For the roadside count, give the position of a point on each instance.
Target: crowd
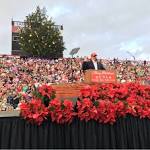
(18, 76)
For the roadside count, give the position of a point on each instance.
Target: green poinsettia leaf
(96, 103)
(62, 107)
(116, 100)
(51, 108)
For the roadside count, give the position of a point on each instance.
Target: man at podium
(92, 64)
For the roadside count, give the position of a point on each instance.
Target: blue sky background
(111, 28)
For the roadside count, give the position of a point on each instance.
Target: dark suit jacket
(89, 65)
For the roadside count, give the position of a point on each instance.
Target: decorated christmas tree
(40, 37)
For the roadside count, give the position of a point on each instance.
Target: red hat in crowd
(93, 54)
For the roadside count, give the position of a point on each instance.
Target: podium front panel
(100, 76)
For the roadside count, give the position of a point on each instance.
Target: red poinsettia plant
(106, 112)
(34, 111)
(45, 92)
(91, 92)
(106, 102)
(61, 111)
(86, 109)
(100, 110)
(103, 103)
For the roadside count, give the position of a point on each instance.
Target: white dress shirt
(95, 65)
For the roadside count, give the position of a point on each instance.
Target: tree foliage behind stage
(41, 37)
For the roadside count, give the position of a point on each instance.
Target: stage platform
(126, 133)
(14, 113)
(68, 90)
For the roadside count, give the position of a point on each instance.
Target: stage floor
(14, 113)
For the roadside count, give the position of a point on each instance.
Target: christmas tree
(40, 37)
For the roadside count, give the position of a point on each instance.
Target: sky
(111, 28)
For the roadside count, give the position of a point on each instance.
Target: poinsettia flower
(61, 111)
(35, 116)
(86, 109)
(34, 111)
(46, 90)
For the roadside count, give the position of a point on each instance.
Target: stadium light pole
(131, 55)
(72, 53)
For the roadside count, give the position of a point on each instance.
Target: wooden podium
(72, 90)
(100, 76)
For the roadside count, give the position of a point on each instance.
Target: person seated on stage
(92, 64)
